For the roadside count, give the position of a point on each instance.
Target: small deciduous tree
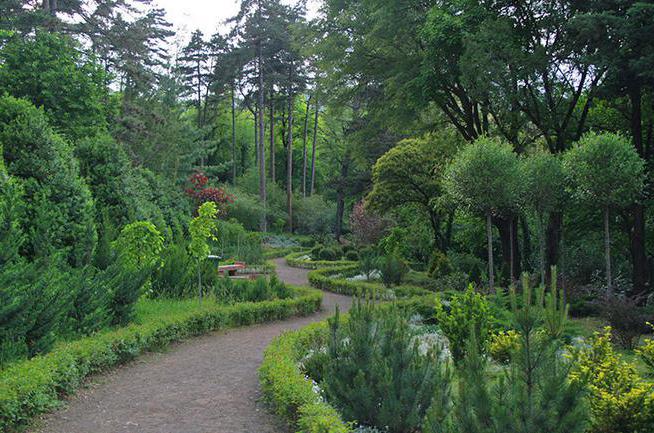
(605, 171)
(139, 246)
(202, 229)
(484, 179)
(366, 225)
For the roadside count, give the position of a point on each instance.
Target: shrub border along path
(208, 384)
(294, 261)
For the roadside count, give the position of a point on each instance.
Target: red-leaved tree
(201, 192)
(367, 227)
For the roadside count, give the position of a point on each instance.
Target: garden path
(207, 384)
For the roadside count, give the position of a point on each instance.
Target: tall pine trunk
(313, 149)
(304, 148)
(489, 239)
(607, 251)
(272, 138)
(262, 159)
(233, 137)
(289, 153)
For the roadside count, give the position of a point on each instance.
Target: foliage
(368, 260)
(49, 70)
(392, 269)
(626, 317)
(174, 278)
(139, 246)
(33, 387)
(646, 351)
(503, 346)
(286, 388)
(605, 170)
(533, 394)
(297, 260)
(439, 264)
(468, 312)
(59, 212)
(620, 401)
(227, 290)
(313, 215)
(201, 193)
(367, 227)
(11, 213)
(202, 229)
(376, 373)
(555, 311)
(233, 241)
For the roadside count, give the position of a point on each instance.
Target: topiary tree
(202, 229)
(484, 179)
(544, 188)
(605, 171)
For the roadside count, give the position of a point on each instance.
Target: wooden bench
(231, 269)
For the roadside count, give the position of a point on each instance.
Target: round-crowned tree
(484, 178)
(604, 170)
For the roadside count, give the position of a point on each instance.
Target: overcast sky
(207, 15)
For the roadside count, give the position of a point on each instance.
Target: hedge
(294, 261)
(323, 279)
(291, 393)
(35, 386)
(273, 253)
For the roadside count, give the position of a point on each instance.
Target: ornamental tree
(202, 229)
(366, 225)
(139, 246)
(484, 179)
(201, 192)
(411, 174)
(605, 171)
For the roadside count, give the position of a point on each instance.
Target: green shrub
(503, 346)
(351, 255)
(467, 311)
(175, 277)
(646, 352)
(392, 270)
(377, 374)
(330, 254)
(297, 260)
(620, 400)
(439, 264)
(33, 387)
(125, 288)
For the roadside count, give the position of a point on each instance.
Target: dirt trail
(205, 385)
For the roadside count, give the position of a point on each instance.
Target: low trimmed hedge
(294, 261)
(35, 386)
(289, 392)
(322, 279)
(274, 253)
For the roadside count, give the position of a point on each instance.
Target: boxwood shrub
(294, 260)
(36, 386)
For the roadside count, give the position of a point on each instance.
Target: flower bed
(298, 260)
(35, 386)
(335, 280)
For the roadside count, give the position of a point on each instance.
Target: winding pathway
(207, 384)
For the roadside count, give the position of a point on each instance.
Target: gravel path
(205, 385)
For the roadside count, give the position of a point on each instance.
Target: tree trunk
(640, 276)
(313, 150)
(511, 252)
(304, 148)
(607, 251)
(340, 197)
(289, 153)
(552, 243)
(233, 138)
(541, 247)
(199, 282)
(489, 238)
(262, 159)
(272, 138)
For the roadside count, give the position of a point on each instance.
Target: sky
(207, 15)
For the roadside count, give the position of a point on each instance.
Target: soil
(207, 384)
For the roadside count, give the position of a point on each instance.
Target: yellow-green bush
(35, 386)
(503, 345)
(646, 351)
(620, 400)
